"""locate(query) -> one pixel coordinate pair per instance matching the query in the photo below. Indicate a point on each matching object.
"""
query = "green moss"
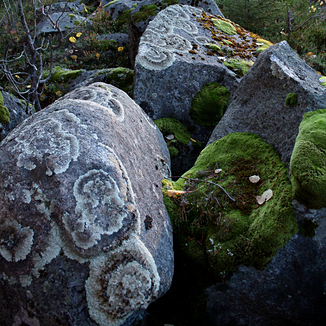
(4, 113)
(167, 3)
(209, 105)
(171, 126)
(145, 12)
(224, 26)
(231, 233)
(291, 99)
(227, 42)
(120, 77)
(323, 81)
(62, 75)
(307, 165)
(264, 44)
(238, 66)
(123, 18)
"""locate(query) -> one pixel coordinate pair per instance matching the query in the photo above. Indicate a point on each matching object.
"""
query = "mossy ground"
(145, 12)
(4, 113)
(222, 234)
(62, 75)
(209, 105)
(307, 165)
(171, 126)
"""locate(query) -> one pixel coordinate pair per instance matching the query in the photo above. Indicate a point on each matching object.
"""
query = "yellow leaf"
(28, 86)
(174, 193)
(58, 93)
(97, 55)
(85, 9)
(16, 76)
(79, 34)
(72, 39)
(120, 48)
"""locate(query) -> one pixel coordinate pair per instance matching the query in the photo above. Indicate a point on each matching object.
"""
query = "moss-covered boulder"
(224, 228)
(307, 165)
(209, 105)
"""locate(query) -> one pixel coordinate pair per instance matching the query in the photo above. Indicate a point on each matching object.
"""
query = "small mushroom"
(169, 137)
(254, 178)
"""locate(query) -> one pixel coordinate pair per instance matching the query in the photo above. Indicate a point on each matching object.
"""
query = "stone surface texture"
(85, 238)
(258, 105)
(290, 291)
(17, 110)
(174, 62)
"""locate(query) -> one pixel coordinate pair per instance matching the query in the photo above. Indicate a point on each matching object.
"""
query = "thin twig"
(210, 182)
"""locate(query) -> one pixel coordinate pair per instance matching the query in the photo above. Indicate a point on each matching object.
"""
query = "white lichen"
(121, 282)
(15, 241)
(45, 142)
(153, 57)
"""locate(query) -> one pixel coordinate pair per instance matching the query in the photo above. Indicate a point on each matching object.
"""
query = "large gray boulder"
(265, 101)
(181, 50)
(85, 238)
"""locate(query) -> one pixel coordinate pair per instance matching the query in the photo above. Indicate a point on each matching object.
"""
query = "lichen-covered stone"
(84, 235)
(175, 60)
(259, 103)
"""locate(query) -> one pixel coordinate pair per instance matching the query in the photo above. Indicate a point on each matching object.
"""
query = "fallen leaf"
(266, 196)
(254, 178)
(173, 193)
(218, 171)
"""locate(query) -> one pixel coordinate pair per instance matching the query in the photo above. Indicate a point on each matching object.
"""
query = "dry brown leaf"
(254, 178)
(266, 196)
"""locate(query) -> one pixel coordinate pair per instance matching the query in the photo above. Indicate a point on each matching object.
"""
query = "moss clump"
(120, 77)
(307, 165)
(61, 75)
(221, 233)
(145, 12)
(224, 26)
(209, 105)
(4, 113)
(264, 44)
(167, 3)
(291, 99)
(123, 18)
(171, 126)
(238, 66)
(213, 46)
(323, 81)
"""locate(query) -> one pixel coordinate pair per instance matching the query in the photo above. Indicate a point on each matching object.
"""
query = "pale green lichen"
(264, 44)
(227, 233)
(224, 26)
(238, 66)
(322, 81)
(111, 3)
(4, 112)
(307, 165)
(209, 105)
(213, 46)
(291, 99)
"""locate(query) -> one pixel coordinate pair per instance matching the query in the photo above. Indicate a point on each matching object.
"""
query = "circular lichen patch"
(307, 165)
(220, 232)
(209, 105)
